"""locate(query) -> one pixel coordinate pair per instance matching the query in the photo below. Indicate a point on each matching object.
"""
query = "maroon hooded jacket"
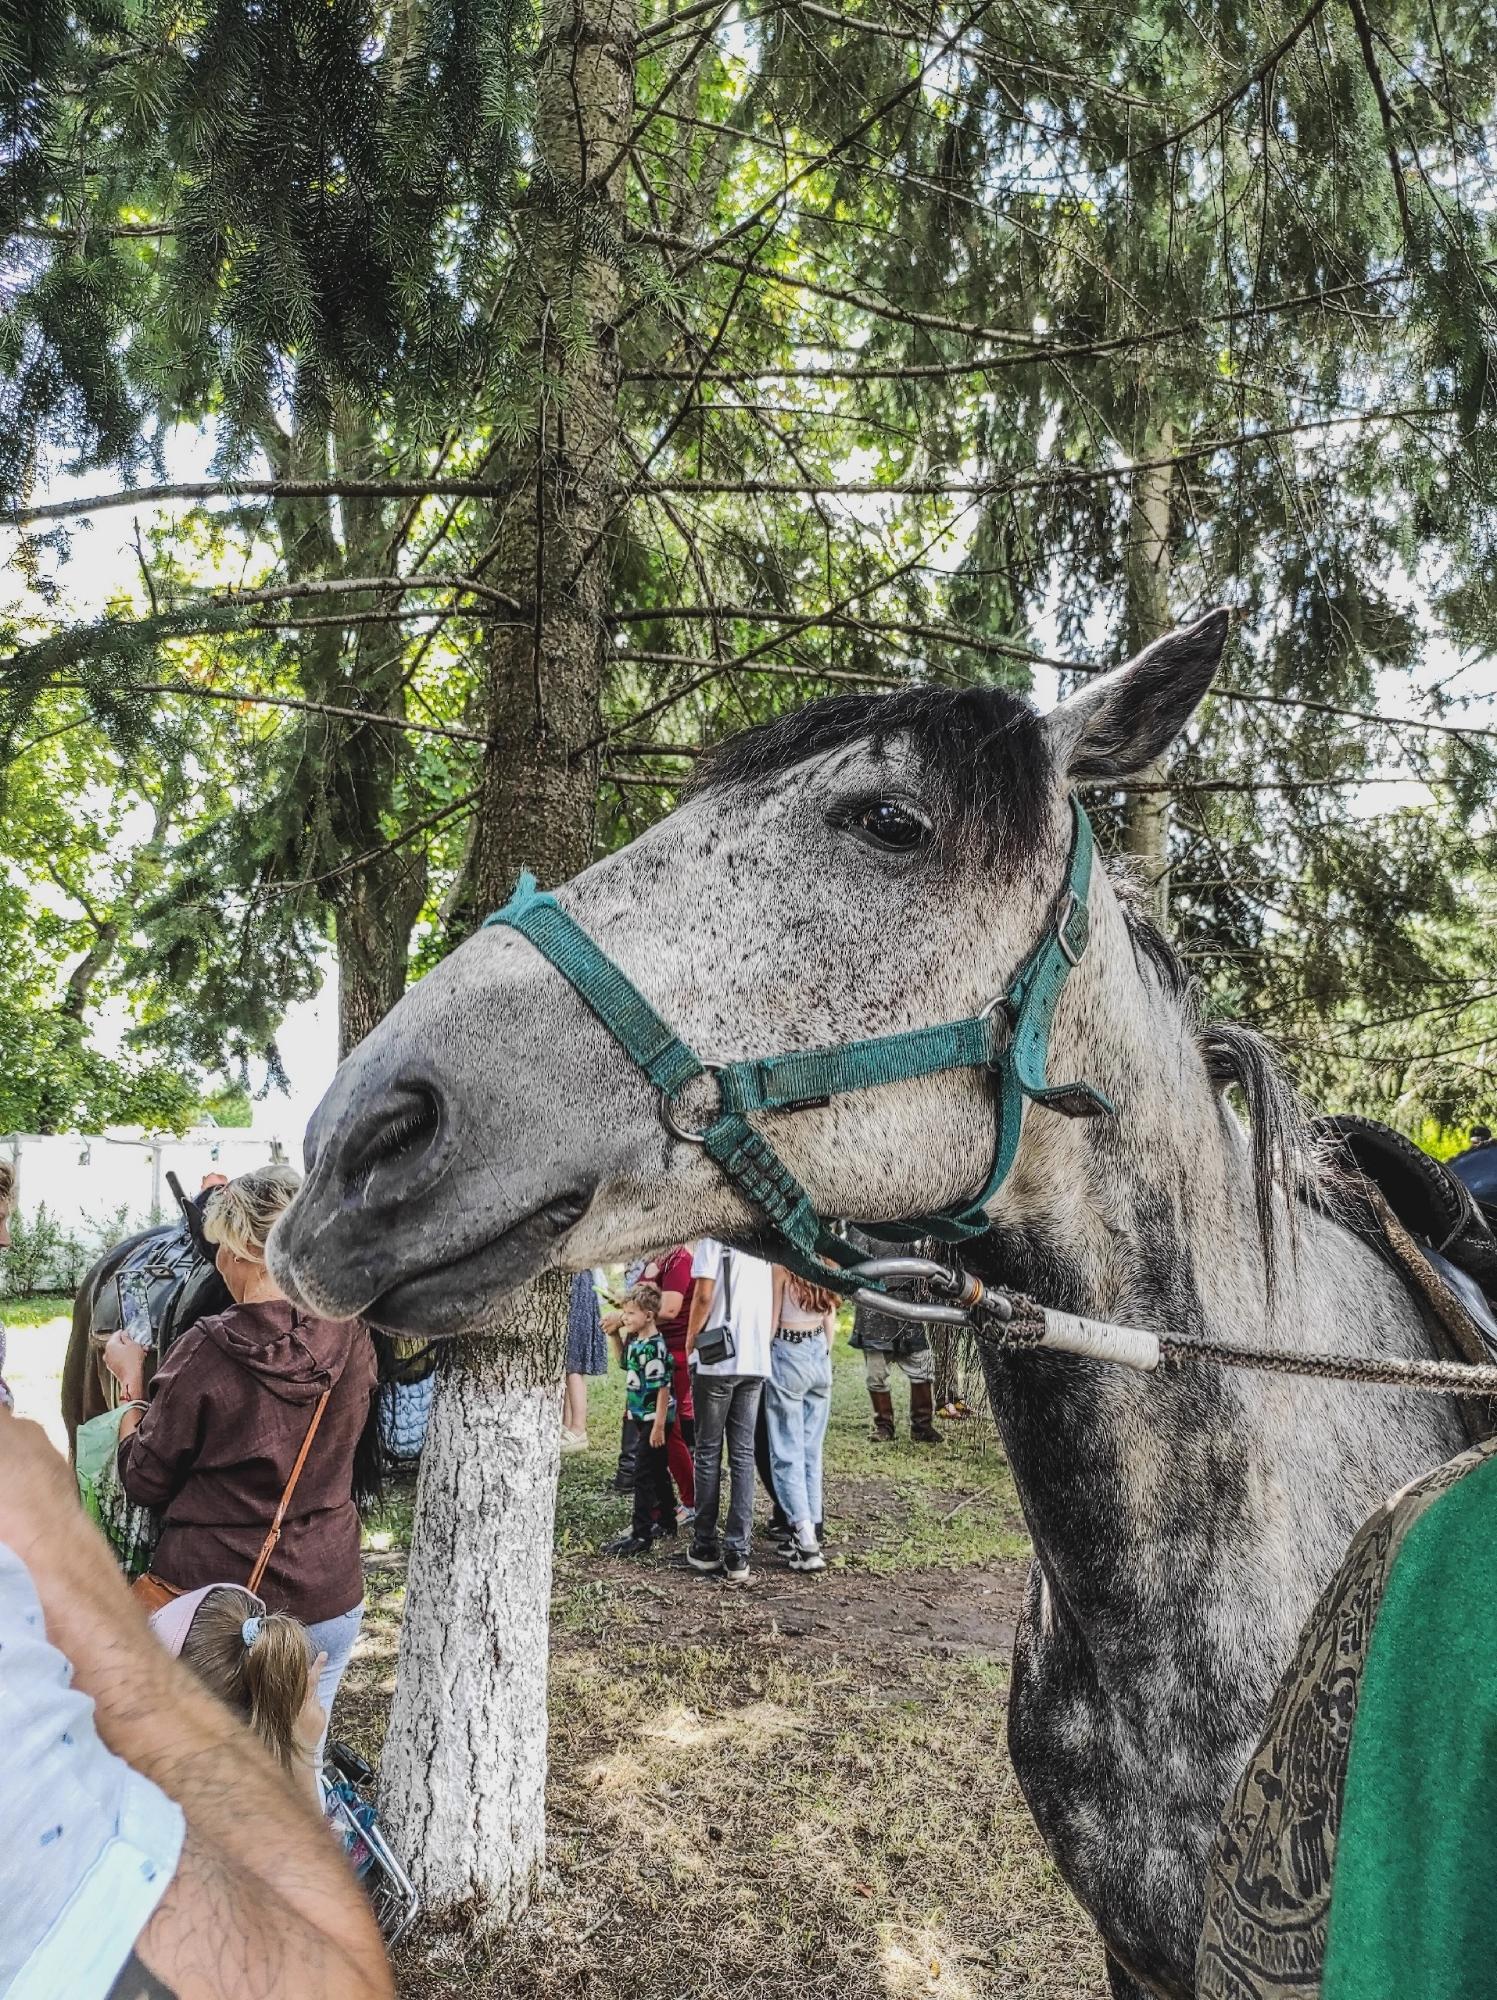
(229, 1411)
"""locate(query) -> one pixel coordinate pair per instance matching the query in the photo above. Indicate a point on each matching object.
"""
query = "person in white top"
(728, 1340)
(797, 1403)
(148, 1846)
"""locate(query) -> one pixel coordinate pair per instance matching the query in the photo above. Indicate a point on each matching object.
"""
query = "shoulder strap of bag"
(267, 1547)
(727, 1286)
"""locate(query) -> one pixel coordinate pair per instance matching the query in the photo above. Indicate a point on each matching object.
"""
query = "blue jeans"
(726, 1406)
(797, 1402)
(335, 1637)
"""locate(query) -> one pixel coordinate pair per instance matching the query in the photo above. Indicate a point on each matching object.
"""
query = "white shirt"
(751, 1321)
(87, 1846)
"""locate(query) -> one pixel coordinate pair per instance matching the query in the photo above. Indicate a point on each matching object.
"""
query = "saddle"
(1428, 1225)
(164, 1281)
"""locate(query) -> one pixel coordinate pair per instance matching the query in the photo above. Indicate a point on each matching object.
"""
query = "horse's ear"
(1118, 723)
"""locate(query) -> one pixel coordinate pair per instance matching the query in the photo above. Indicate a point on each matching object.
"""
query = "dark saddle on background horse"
(165, 1276)
(1449, 1227)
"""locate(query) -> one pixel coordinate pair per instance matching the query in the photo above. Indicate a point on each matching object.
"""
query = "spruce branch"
(252, 489)
(1220, 106)
(1061, 478)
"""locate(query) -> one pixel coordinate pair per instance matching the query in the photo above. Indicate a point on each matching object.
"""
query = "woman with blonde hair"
(248, 1445)
(259, 1663)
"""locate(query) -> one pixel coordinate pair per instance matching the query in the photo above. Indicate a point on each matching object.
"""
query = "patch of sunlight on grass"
(925, 1962)
(747, 1730)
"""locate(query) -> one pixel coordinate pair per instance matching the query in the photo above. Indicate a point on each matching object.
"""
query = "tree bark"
(1147, 561)
(540, 775)
(375, 910)
(463, 1775)
(465, 1759)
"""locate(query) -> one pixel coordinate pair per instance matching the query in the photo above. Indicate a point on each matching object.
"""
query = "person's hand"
(657, 1433)
(36, 1485)
(72, 1567)
(126, 1361)
(612, 1322)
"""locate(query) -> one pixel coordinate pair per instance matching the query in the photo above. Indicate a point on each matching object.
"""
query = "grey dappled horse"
(870, 864)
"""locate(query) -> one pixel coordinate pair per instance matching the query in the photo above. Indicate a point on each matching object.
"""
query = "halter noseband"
(1010, 1038)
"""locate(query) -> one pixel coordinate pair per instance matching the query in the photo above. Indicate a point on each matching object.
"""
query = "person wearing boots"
(906, 1342)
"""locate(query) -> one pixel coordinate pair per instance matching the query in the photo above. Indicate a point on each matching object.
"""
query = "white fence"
(104, 1187)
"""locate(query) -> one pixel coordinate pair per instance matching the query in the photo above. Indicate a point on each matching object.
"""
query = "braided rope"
(1025, 1333)
(1438, 1378)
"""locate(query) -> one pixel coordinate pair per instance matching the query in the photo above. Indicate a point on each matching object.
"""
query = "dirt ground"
(798, 1787)
(795, 1789)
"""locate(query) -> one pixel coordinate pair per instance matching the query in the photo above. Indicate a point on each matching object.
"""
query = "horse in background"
(168, 1273)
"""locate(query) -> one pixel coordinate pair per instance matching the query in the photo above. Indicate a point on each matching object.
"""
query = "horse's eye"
(889, 824)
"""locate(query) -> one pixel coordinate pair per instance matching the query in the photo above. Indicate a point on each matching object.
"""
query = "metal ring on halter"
(666, 1097)
(1067, 910)
(986, 1014)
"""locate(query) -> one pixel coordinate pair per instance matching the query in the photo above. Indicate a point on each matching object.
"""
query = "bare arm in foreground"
(262, 1905)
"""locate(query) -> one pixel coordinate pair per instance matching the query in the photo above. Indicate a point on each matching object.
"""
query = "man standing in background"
(884, 1338)
(728, 1339)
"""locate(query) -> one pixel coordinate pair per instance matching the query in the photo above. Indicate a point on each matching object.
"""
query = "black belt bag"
(715, 1344)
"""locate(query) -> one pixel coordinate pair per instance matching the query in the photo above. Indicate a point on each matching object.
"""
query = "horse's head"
(865, 865)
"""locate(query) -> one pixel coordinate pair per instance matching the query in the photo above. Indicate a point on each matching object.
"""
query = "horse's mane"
(983, 750)
(1287, 1153)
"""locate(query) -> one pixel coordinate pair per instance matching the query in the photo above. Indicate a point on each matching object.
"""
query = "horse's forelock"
(983, 751)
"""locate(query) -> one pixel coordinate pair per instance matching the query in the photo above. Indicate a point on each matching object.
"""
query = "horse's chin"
(461, 1295)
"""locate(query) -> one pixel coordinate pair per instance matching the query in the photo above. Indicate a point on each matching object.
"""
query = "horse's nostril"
(406, 1131)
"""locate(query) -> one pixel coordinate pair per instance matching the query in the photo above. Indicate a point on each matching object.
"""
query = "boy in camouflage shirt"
(651, 1407)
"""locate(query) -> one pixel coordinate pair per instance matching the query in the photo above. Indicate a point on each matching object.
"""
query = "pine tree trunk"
(1146, 826)
(375, 910)
(464, 1769)
(540, 774)
(463, 1776)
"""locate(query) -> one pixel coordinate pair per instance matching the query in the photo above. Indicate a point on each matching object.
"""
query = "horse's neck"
(1154, 1496)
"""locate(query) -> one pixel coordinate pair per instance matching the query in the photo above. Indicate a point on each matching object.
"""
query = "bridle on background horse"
(1009, 1039)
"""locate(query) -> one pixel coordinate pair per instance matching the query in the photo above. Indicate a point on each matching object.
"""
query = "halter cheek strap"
(1010, 1039)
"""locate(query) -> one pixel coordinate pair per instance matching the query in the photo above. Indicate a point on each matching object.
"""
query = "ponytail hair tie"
(249, 1631)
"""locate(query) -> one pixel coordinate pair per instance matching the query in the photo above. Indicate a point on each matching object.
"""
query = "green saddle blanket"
(1356, 1858)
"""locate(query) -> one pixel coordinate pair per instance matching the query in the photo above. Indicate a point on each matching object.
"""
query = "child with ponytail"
(259, 1663)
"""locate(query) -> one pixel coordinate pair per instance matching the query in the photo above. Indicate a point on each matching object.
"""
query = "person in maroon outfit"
(672, 1273)
(229, 1411)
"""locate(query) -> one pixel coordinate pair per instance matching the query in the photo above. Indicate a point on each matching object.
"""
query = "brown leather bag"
(152, 1591)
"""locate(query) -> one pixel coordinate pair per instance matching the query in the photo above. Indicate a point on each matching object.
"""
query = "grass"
(35, 1311)
(795, 1790)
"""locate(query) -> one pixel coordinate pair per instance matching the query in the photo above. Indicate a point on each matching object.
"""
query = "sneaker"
(736, 1566)
(685, 1516)
(627, 1545)
(622, 1482)
(573, 1441)
(806, 1560)
(666, 1531)
(705, 1556)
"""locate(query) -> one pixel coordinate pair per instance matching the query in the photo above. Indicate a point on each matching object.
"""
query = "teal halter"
(1010, 1038)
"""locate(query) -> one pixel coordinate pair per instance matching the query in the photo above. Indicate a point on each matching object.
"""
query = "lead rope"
(1012, 1323)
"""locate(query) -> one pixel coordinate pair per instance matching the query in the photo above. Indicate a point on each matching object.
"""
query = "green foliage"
(43, 1256)
(1006, 254)
(230, 1108)
(54, 1081)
